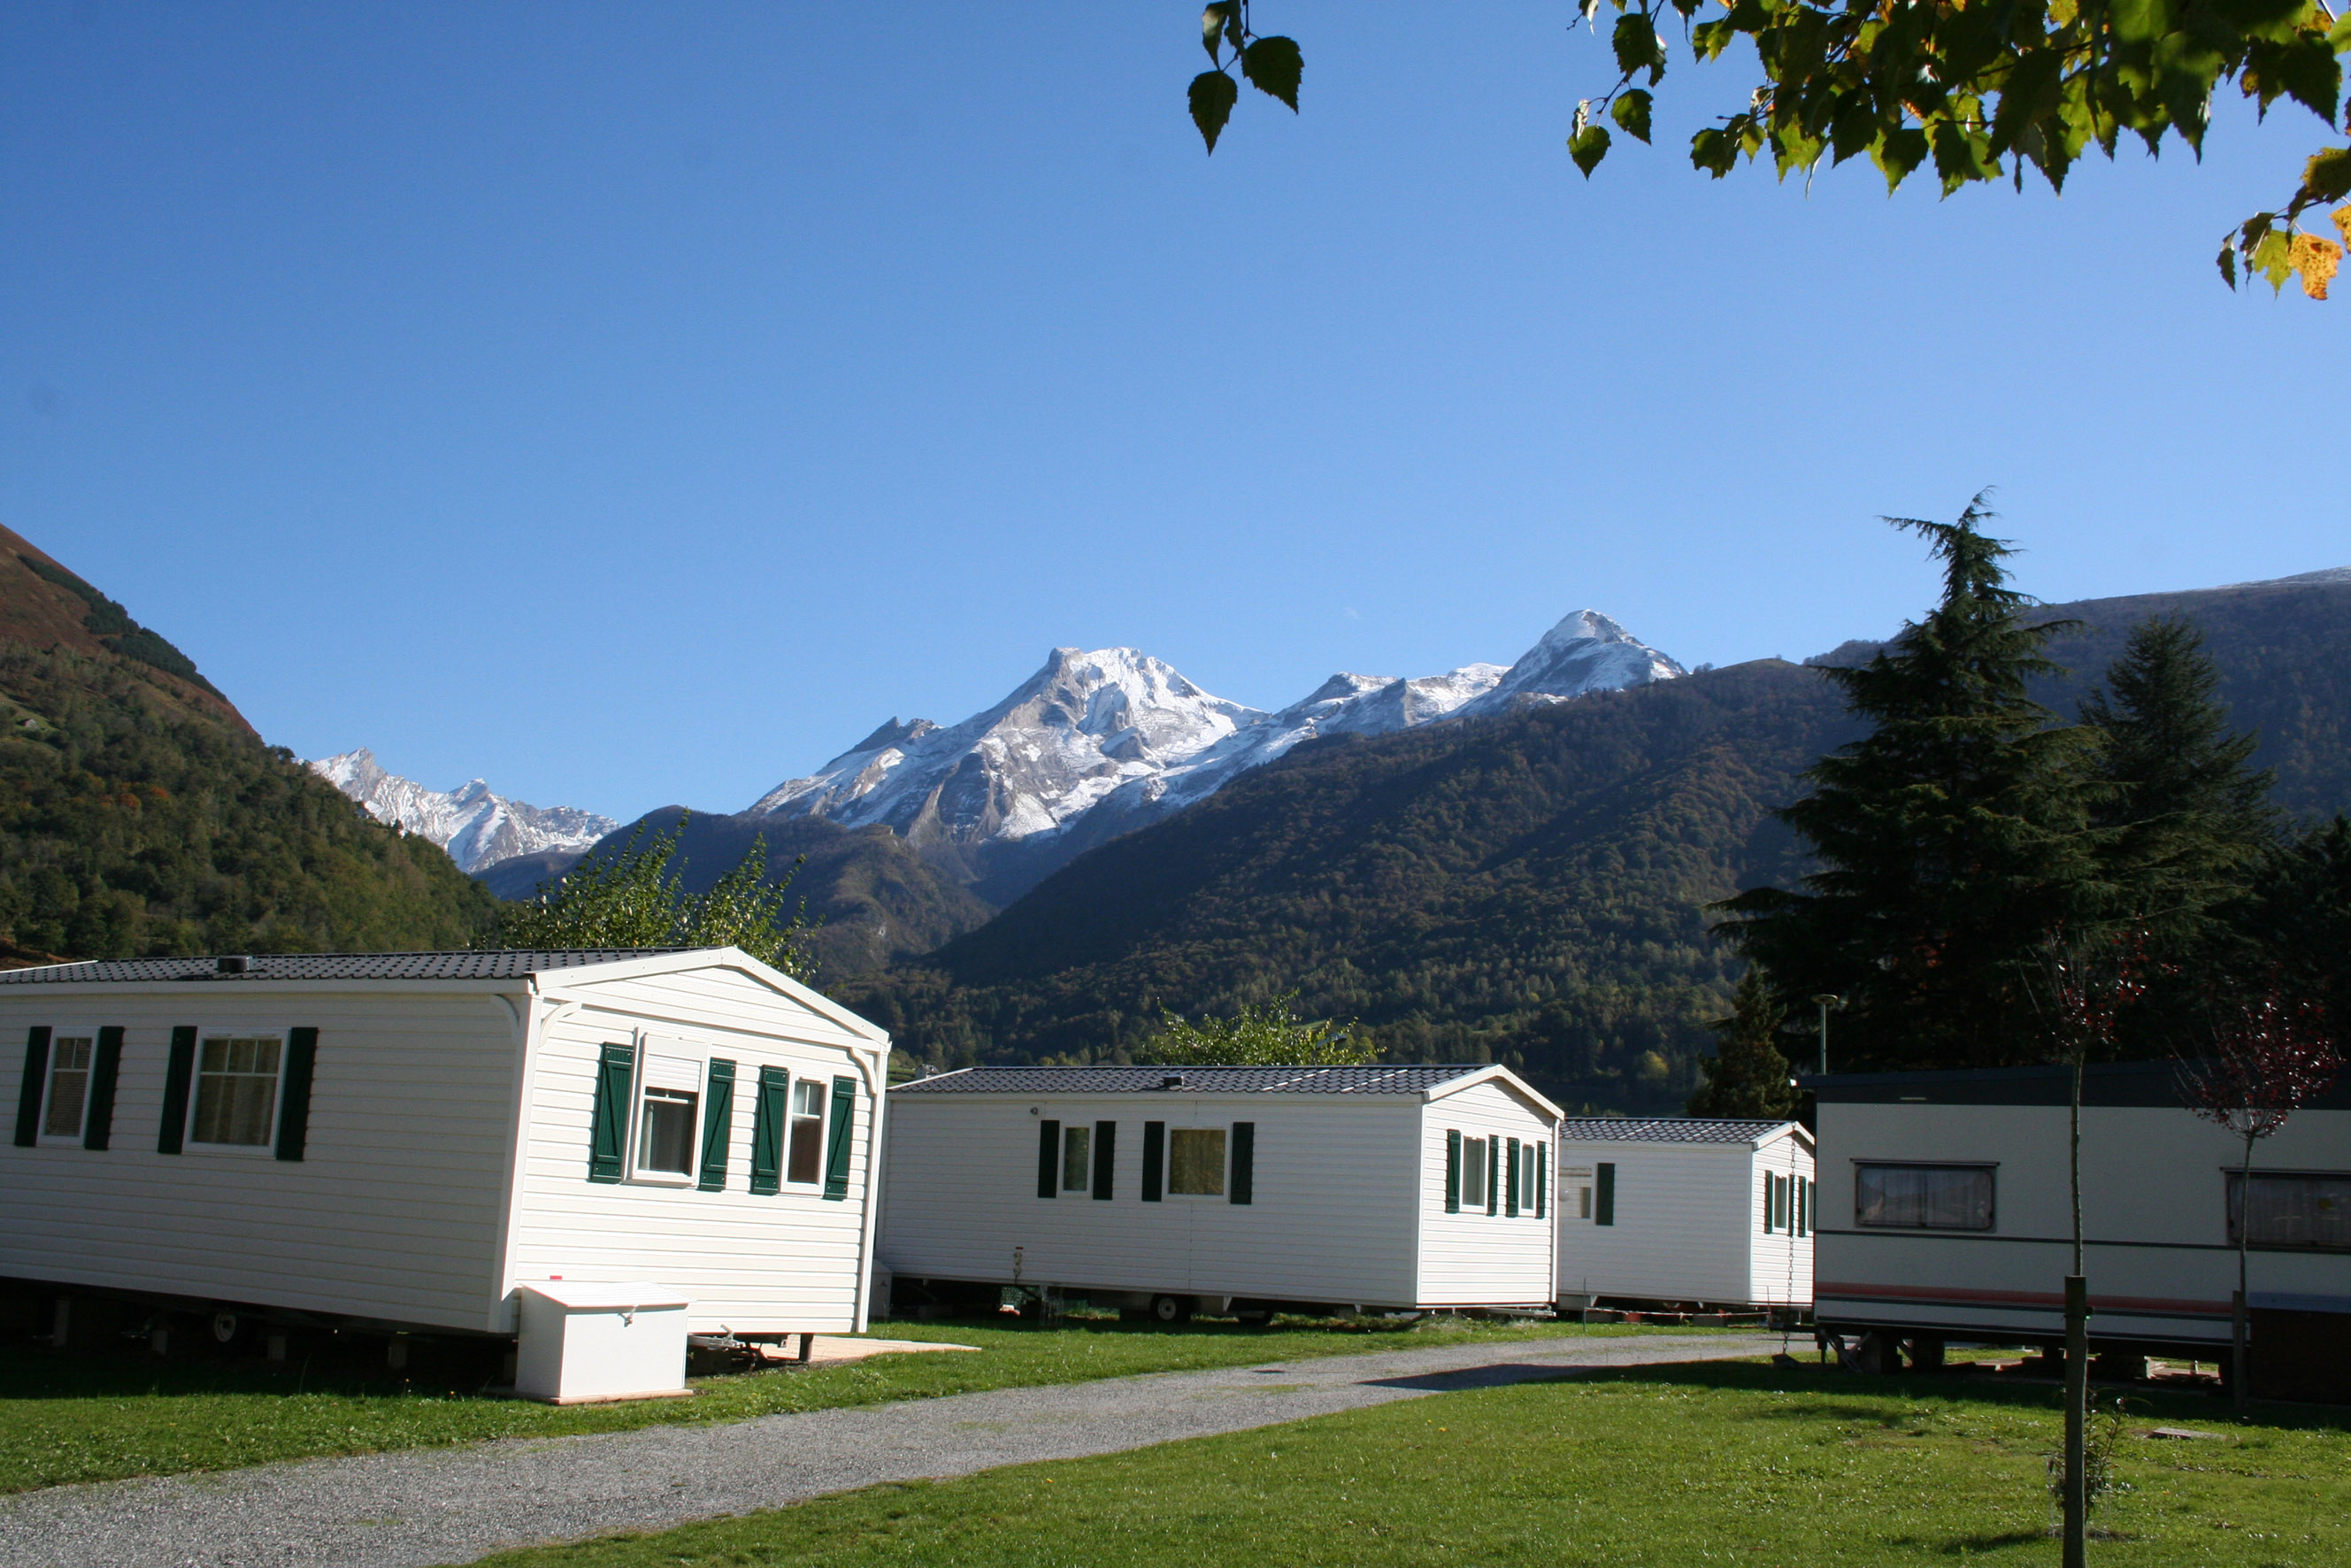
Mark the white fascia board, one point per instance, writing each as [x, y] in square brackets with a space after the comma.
[1507, 1079]
[548, 982]
[1787, 1130]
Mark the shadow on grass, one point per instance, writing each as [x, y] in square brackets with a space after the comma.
[1837, 1387]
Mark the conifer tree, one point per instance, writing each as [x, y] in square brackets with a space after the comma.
[1748, 1076]
[2191, 819]
[2189, 825]
[1954, 839]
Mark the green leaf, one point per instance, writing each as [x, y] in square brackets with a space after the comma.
[1713, 151]
[1587, 147]
[1631, 111]
[1275, 66]
[2327, 176]
[1635, 40]
[1213, 96]
[1216, 21]
[2273, 258]
[2229, 265]
[1897, 153]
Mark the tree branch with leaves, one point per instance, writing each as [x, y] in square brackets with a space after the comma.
[1979, 89]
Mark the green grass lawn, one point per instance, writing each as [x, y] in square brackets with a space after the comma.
[88, 1419]
[1723, 1462]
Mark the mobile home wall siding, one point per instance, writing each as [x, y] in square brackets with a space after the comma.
[1687, 1221]
[2159, 1258]
[1474, 1257]
[1780, 1262]
[791, 1262]
[1329, 1220]
[392, 1212]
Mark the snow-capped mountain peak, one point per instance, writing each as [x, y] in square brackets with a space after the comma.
[1098, 742]
[1084, 724]
[478, 826]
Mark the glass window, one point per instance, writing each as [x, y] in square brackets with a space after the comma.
[68, 1086]
[807, 1163]
[1473, 1173]
[236, 1091]
[665, 1136]
[1576, 1191]
[1077, 1143]
[2300, 1210]
[1923, 1198]
[1196, 1161]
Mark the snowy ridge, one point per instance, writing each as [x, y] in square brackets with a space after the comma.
[478, 827]
[1114, 738]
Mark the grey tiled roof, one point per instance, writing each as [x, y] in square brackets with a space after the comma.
[1374, 1080]
[1663, 1130]
[468, 965]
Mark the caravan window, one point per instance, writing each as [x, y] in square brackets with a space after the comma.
[1922, 1197]
[1576, 1191]
[1077, 1165]
[1473, 1173]
[69, 1058]
[665, 1140]
[1196, 1161]
[236, 1091]
[2298, 1210]
[808, 1130]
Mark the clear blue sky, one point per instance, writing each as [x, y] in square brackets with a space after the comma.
[637, 403]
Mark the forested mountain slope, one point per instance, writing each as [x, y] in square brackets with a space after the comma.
[140, 814]
[1529, 890]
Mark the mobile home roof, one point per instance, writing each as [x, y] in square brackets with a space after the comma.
[1374, 1079]
[467, 965]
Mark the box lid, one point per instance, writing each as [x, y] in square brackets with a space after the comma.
[590, 1296]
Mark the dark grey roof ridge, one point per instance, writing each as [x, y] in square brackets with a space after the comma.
[444, 964]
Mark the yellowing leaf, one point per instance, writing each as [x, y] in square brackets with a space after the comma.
[2317, 260]
[2342, 217]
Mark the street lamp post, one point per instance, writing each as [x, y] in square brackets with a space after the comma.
[1825, 1001]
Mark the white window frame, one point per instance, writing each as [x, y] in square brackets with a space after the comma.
[792, 1118]
[43, 1138]
[1474, 1161]
[267, 1148]
[633, 1171]
[1575, 1184]
[1071, 1132]
[1225, 1176]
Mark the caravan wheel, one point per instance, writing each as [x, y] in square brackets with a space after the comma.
[1172, 1309]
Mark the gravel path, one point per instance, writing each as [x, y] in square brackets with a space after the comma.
[430, 1506]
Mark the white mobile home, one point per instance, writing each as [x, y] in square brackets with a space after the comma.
[1946, 1214]
[1686, 1210]
[407, 1140]
[1222, 1188]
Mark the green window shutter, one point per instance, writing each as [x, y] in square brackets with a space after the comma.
[770, 1114]
[1510, 1181]
[1604, 1202]
[29, 1090]
[1803, 1205]
[717, 1124]
[294, 1098]
[1767, 1203]
[1542, 1180]
[1154, 1158]
[1048, 1159]
[1244, 1182]
[837, 1149]
[178, 1069]
[98, 1125]
[1105, 1158]
[1493, 1175]
[608, 1124]
[1452, 1170]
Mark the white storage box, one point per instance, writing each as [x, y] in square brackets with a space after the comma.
[582, 1342]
